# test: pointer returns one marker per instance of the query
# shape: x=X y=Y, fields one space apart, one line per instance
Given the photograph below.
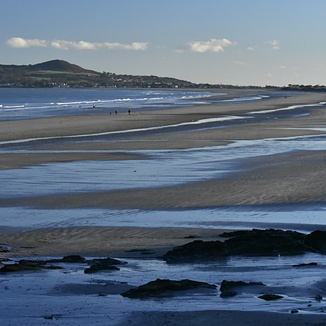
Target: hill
x=60 y=73
x=60 y=65
x=53 y=65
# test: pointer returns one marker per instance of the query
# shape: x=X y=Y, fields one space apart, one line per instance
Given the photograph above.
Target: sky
x=239 y=42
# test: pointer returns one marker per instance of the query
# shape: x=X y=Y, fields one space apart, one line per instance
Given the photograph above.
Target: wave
x=36 y=103
x=13 y=107
x=247 y=98
x=292 y=107
x=197 y=122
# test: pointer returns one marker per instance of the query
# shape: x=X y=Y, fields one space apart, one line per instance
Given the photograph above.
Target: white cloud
x=275 y=44
x=212 y=45
x=66 y=45
x=135 y=46
x=18 y=43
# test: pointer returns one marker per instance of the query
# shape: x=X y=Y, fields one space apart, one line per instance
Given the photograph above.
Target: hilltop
x=53 y=65
x=58 y=73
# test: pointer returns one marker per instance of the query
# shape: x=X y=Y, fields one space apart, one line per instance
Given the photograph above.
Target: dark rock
x=228 y=294
x=106 y=261
x=35 y=262
x=67 y=259
x=250 y=243
x=267 y=243
x=294 y=311
x=305 y=265
x=159 y=287
x=318 y=297
x=52 y=317
x=237 y=233
x=73 y=259
x=196 y=251
x=8 y=268
x=100 y=267
x=317 y=241
x=106 y=264
x=230 y=285
x=49 y=317
x=54 y=267
x=142 y=251
x=270 y=297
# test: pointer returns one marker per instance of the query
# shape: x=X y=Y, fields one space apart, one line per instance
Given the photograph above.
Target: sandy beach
x=282 y=178
x=296 y=177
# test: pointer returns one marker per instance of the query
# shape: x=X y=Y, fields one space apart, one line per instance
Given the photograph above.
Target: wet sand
x=225 y=318
x=283 y=178
x=280 y=178
x=122 y=242
x=294 y=177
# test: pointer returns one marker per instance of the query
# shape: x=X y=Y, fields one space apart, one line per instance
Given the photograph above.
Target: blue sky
x=241 y=42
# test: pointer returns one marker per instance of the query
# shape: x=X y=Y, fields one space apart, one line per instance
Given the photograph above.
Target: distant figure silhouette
x=129 y=112
x=116 y=112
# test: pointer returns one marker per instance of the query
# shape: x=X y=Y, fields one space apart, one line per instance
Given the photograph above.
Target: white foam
x=197 y=122
x=292 y=107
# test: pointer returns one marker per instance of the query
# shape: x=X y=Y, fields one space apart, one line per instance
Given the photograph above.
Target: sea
x=29 y=103
x=160 y=168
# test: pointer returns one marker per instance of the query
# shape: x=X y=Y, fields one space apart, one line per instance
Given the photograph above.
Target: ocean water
x=160 y=168
x=24 y=103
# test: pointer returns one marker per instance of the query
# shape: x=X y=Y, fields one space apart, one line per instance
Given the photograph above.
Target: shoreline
x=71 y=295
x=99 y=123
x=291 y=177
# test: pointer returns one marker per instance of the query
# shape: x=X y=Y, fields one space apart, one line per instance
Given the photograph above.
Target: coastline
x=292 y=177
x=281 y=178
x=271 y=179
x=91 y=124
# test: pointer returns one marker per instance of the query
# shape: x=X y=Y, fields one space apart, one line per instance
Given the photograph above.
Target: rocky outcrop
x=266 y=243
x=197 y=251
x=231 y=288
x=249 y=243
x=73 y=259
x=9 y=268
x=161 y=287
x=317 y=240
x=106 y=264
x=38 y=264
x=270 y=297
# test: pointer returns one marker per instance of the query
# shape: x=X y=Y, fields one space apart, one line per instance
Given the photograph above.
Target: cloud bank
x=20 y=43
x=212 y=45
